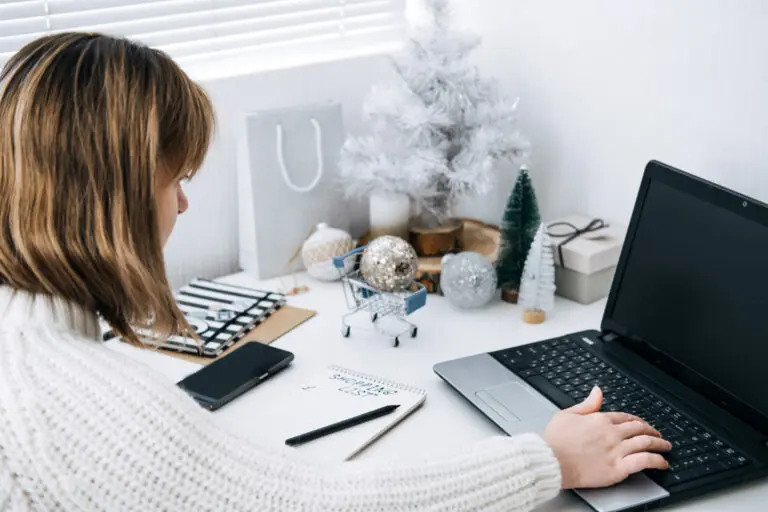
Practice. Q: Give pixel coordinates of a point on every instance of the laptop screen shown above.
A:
(694, 286)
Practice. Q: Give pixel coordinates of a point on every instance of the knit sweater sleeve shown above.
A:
(98, 432)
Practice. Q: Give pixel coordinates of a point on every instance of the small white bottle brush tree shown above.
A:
(537, 286)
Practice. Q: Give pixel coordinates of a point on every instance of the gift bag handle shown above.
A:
(319, 150)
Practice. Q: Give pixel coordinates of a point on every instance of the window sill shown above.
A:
(218, 67)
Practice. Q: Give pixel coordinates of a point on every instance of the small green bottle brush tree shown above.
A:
(518, 228)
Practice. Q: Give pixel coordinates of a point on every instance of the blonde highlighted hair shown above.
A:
(89, 125)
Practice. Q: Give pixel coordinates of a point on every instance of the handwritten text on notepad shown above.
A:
(360, 387)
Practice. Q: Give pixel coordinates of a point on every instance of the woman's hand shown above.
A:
(598, 449)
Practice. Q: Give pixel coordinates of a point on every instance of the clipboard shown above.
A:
(282, 321)
(249, 315)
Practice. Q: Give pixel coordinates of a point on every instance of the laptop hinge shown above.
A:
(609, 336)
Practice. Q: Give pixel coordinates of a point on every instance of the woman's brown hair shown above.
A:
(89, 125)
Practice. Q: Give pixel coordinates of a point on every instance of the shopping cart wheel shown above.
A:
(396, 341)
(414, 331)
(345, 331)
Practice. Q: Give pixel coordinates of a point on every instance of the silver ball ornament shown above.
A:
(468, 279)
(389, 263)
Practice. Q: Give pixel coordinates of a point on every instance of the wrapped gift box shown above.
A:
(586, 252)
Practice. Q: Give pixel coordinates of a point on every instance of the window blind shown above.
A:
(194, 30)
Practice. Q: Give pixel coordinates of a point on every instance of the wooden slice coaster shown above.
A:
(437, 241)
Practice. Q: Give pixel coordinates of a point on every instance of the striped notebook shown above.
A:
(221, 314)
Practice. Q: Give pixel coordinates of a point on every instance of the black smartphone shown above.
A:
(225, 379)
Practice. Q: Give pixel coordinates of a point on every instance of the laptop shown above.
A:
(683, 343)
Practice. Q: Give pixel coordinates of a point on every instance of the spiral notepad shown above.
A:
(309, 399)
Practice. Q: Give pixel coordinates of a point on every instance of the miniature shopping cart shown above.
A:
(379, 304)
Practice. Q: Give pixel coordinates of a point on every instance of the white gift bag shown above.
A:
(288, 182)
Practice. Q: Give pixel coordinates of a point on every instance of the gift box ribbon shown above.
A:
(573, 233)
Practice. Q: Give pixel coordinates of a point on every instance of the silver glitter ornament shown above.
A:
(389, 263)
(468, 279)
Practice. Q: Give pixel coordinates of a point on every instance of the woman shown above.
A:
(96, 136)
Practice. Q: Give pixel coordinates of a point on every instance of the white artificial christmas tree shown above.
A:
(537, 286)
(438, 128)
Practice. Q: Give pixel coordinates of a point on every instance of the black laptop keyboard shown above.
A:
(565, 372)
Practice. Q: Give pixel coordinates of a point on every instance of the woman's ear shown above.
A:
(181, 199)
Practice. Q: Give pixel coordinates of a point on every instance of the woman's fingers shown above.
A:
(589, 405)
(637, 462)
(645, 443)
(636, 428)
(622, 417)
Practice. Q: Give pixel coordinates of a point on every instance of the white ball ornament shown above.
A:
(468, 279)
(321, 247)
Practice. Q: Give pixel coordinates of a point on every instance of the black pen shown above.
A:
(341, 425)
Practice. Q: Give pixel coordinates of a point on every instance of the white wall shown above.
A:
(606, 85)
(204, 242)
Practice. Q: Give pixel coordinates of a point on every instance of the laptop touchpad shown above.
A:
(514, 402)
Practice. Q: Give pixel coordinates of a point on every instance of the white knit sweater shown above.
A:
(83, 427)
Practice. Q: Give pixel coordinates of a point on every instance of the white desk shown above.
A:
(445, 420)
